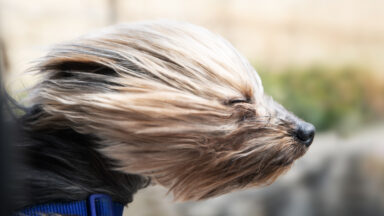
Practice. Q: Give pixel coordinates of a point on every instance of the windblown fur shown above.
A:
(168, 101)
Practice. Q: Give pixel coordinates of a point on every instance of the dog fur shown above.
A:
(163, 102)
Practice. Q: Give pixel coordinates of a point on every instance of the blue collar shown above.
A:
(96, 205)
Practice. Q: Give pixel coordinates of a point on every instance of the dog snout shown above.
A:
(305, 133)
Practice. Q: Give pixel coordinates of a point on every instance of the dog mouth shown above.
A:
(289, 157)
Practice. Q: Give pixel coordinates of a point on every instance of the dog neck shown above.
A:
(64, 165)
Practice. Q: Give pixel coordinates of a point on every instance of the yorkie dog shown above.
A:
(160, 102)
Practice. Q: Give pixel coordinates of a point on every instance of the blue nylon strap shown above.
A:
(96, 205)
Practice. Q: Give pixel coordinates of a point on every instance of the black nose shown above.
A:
(305, 133)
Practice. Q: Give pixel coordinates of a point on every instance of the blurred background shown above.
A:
(323, 60)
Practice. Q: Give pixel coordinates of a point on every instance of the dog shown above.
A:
(158, 102)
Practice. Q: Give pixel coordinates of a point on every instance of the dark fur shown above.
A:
(63, 165)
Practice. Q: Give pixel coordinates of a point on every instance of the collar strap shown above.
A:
(95, 205)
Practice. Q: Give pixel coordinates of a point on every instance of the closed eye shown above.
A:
(236, 101)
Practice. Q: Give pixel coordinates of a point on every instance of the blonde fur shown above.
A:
(170, 101)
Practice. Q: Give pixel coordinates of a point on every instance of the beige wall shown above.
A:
(270, 33)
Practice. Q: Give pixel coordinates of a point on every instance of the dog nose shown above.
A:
(305, 133)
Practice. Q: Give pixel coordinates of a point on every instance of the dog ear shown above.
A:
(68, 69)
(80, 73)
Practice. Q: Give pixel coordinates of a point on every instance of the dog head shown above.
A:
(173, 102)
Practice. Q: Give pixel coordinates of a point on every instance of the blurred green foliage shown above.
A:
(330, 98)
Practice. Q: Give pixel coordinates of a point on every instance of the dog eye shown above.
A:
(236, 101)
